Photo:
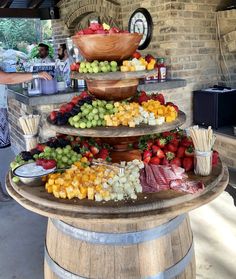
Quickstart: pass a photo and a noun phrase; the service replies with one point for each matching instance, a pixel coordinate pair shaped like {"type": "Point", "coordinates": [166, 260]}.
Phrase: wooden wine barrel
{"type": "Point", "coordinates": [145, 250]}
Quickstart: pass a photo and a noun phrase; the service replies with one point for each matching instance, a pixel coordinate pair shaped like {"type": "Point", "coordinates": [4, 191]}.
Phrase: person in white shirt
{"type": "Point", "coordinates": [11, 78]}
{"type": "Point", "coordinates": [44, 54]}
{"type": "Point", "coordinates": [63, 63]}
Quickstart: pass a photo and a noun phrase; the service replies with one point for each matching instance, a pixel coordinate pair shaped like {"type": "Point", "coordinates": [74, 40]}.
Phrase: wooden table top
{"type": "Point", "coordinates": [165, 204]}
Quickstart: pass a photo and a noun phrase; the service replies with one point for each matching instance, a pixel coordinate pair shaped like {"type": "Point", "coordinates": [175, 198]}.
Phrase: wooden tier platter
{"type": "Point", "coordinates": [121, 131]}
{"type": "Point", "coordinates": [113, 75]}
{"type": "Point", "coordinates": [165, 204]}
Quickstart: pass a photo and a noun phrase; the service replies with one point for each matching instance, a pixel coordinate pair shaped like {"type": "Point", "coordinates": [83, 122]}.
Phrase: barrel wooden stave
{"type": "Point", "coordinates": [136, 261]}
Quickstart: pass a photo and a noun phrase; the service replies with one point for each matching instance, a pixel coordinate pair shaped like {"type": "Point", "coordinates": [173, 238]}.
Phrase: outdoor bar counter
{"type": "Point", "coordinates": [20, 103]}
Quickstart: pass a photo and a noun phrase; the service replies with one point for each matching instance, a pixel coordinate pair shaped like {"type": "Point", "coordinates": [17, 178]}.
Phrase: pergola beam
{"type": "Point", "coordinates": [34, 4]}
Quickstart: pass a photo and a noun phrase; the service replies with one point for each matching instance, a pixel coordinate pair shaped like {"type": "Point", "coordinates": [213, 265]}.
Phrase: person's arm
{"type": "Point", "coordinates": [14, 78]}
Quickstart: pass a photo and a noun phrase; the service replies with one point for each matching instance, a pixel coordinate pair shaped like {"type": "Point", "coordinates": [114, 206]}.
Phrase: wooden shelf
{"type": "Point", "coordinates": [120, 131]}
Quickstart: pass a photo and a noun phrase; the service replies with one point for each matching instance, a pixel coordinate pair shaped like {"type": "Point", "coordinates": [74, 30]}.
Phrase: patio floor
{"type": "Point", "coordinates": [22, 237]}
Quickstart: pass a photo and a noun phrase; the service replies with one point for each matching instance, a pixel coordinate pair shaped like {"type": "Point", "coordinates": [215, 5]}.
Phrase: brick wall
{"type": "Point", "coordinates": [17, 109]}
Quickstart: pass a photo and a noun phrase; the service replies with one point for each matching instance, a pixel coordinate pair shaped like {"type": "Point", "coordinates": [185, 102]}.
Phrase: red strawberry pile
{"type": "Point", "coordinates": [91, 149]}
{"type": "Point", "coordinates": [144, 97]}
{"type": "Point", "coordinates": [72, 108]}
{"type": "Point", "coordinates": [171, 148]}
{"type": "Point", "coordinates": [97, 28]}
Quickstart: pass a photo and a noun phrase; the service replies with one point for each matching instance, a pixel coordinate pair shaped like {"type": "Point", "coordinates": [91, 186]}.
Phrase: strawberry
{"type": "Point", "coordinates": [181, 152]}
{"type": "Point", "coordinates": [147, 154]}
{"type": "Point", "coordinates": [40, 147]}
{"type": "Point", "coordinates": [188, 163]}
{"type": "Point", "coordinates": [170, 155]}
{"type": "Point", "coordinates": [83, 95]}
{"type": "Point", "coordinates": [147, 160]}
{"type": "Point", "coordinates": [215, 158]}
{"type": "Point", "coordinates": [143, 97]}
{"type": "Point", "coordinates": [161, 142]}
{"type": "Point", "coordinates": [75, 100]}
{"type": "Point", "coordinates": [149, 144]}
{"type": "Point", "coordinates": [155, 149]}
{"type": "Point", "coordinates": [39, 162]}
{"type": "Point", "coordinates": [175, 141]}
{"type": "Point", "coordinates": [94, 150]}
{"type": "Point", "coordinates": [186, 141]}
{"type": "Point", "coordinates": [53, 116]}
{"type": "Point", "coordinates": [189, 151]}
{"type": "Point", "coordinates": [95, 26]}
{"type": "Point", "coordinates": [136, 55]}
{"type": "Point", "coordinates": [176, 161]}
{"type": "Point", "coordinates": [149, 57]}
{"type": "Point", "coordinates": [160, 154]}
{"type": "Point", "coordinates": [84, 144]}
{"type": "Point", "coordinates": [159, 97]}
{"type": "Point", "coordinates": [155, 161]}
{"type": "Point", "coordinates": [166, 134]}
{"type": "Point", "coordinates": [173, 105]}
{"type": "Point", "coordinates": [49, 164]}
{"type": "Point", "coordinates": [87, 31]}
{"type": "Point", "coordinates": [172, 148]}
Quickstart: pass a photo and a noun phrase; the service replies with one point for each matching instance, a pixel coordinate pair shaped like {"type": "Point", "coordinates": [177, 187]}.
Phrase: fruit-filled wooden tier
{"type": "Point", "coordinates": [113, 75]}
{"type": "Point", "coordinates": [120, 131]}
{"type": "Point", "coordinates": [169, 203]}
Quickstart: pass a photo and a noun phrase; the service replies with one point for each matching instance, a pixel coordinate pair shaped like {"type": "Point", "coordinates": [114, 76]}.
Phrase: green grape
{"type": "Point", "coordinates": [96, 117]}
{"type": "Point", "coordinates": [89, 125]}
{"type": "Point", "coordinates": [82, 65]}
{"type": "Point", "coordinates": [82, 125]}
{"type": "Point", "coordinates": [95, 111]}
{"type": "Point", "coordinates": [15, 179]}
{"type": "Point", "coordinates": [47, 149]}
{"type": "Point", "coordinates": [36, 156]}
{"type": "Point", "coordinates": [109, 106]}
{"type": "Point", "coordinates": [101, 115]}
{"type": "Point", "coordinates": [96, 69]}
{"type": "Point", "coordinates": [77, 125]}
{"type": "Point", "coordinates": [74, 158]}
{"type": "Point", "coordinates": [90, 117]}
{"type": "Point", "coordinates": [59, 150]}
{"type": "Point", "coordinates": [70, 162]}
{"type": "Point", "coordinates": [64, 159]}
{"type": "Point", "coordinates": [94, 123]}
{"type": "Point", "coordinates": [113, 64]}
{"type": "Point", "coordinates": [99, 123]}
{"type": "Point", "coordinates": [94, 103]}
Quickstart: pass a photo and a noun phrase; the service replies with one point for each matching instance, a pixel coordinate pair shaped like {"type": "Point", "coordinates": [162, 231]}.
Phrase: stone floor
{"type": "Point", "coordinates": [22, 237]}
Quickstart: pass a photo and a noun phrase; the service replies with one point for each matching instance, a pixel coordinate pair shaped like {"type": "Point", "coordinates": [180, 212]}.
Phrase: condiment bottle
{"type": "Point", "coordinates": [161, 69]}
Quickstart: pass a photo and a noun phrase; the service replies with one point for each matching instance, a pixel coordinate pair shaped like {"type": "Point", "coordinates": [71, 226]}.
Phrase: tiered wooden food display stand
{"type": "Point", "coordinates": [145, 238]}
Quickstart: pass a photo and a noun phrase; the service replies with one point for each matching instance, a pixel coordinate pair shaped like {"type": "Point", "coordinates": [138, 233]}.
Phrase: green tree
{"type": "Point", "coordinates": [13, 31]}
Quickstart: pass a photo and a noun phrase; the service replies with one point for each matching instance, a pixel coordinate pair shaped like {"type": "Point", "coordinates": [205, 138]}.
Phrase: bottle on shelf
{"type": "Point", "coordinates": [162, 70]}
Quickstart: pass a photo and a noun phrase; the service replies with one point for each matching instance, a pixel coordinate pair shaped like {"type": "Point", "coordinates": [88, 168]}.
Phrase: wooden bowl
{"type": "Point", "coordinates": [108, 47]}
{"type": "Point", "coordinates": [113, 90]}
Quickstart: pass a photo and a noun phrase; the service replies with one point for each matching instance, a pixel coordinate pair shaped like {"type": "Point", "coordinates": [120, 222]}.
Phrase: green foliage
{"type": "Point", "coordinates": [46, 30]}
{"type": "Point", "coordinates": [35, 53]}
{"type": "Point", "coordinates": [17, 33]}
{"type": "Point", "coordinates": [13, 31]}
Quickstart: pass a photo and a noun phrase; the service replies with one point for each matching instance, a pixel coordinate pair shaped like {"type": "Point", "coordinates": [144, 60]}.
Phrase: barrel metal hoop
{"type": "Point", "coordinates": [129, 238]}
{"type": "Point", "coordinates": [169, 273]}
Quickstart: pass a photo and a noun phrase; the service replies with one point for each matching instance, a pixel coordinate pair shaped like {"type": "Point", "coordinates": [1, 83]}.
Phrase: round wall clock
{"type": "Point", "coordinates": [141, 22]}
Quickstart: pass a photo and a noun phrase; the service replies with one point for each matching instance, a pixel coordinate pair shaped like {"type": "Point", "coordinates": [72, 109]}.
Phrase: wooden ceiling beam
{"type": "Point", "coordinates": [5, 3]}
{"type": "Point", "coordinates": [42, 13]}
{"type": "Point", "coordinates": [34, 4]}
